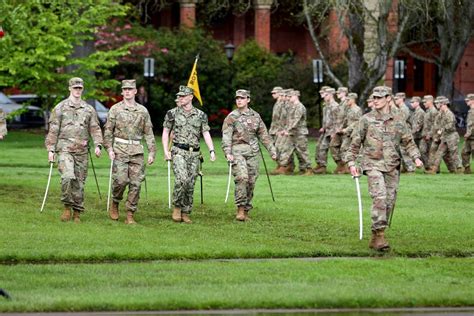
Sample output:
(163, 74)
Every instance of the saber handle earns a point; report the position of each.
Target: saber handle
(228, 181)
(110, 184)
(47, 186)
(169, 184)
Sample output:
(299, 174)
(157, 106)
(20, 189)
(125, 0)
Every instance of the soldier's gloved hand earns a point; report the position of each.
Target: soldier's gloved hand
(167, 155)
(213, 156)
(151, 159)
(97, 152)
(51, 156)
(229, 157)
(111, 155)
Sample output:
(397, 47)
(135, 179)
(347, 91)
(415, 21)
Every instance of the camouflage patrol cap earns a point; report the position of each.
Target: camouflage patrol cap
(441, 100)
(242, 93)
(277, 89)
(323, 88)
(76, 82)
(129, 84)
(380, 91)
(287, 92)
(352, 95)
(470, 96)
(415, 99)
(330, 90)
(370, 98)
(184, 91)
(427, 98)
(342, 90)
(294, 93)
(400, 95)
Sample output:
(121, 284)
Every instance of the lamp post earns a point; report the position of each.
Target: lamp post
(149, 73)
(318, 78)
(229, 52)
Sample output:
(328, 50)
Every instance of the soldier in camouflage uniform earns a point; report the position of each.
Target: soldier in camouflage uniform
(241, 131)
(351, 120)
(3, 125)
(447, 138)
(187, 123)
(399, 98)
(339, 114)
(427, 137)
(296, 132)
(370, 103)
(128, 123)
(417, 120)
(468, 148)
(278, 121)
(71, 123)
(326, 131)
(381, 134)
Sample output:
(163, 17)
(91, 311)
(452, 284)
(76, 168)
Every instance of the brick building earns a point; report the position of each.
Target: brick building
(267, 28)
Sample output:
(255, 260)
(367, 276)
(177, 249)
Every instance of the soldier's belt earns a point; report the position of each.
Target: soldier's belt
(126, 141)
(186, 147)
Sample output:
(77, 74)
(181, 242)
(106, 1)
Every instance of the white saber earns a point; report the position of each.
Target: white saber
(169, 184)
(228, 181)
(47, 185)
(110, 184)
(360, 206)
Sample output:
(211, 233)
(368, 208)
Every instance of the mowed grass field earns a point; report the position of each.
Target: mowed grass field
(47, 265)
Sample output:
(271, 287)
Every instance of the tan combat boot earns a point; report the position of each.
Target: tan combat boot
(431, 171)
(76, 217)
(459, 170)
(320, 170)
(380, 243)
(308, 172)
(186, 219)
(339, 168)
(114, 211)
(240, 214)
(66, 216)
(176, 216)
(372, 240)
(129, 220)
(467, 170)
(291, 167)
(280, 170)
(247, 217)
(288, 170)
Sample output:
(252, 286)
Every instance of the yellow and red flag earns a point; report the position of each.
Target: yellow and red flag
(193, 81)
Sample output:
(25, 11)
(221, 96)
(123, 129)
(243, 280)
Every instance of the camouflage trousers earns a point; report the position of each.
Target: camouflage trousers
(186, 169)
(245, 172)
(73, 170)
(383, 188)
(335, 147)
(467, 152)
(128, 171)
(407, 162)
(322, 149)
(281, 142)
(297, 144)
(346, 143)
(432, 153)
(425, 146)
(448, 148)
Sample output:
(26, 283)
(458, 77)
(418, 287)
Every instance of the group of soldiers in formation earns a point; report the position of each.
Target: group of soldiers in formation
(379, 142)
(433, 129)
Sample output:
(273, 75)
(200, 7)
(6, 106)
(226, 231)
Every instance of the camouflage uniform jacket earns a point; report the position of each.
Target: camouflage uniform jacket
(380, 136)
(351, 119)
(275, 126)
(339, 115)
(241, 132)
(417, 120)
(129, 123)
(296, 124)
(406, 113)
(70, 126)
(186, 126)
(470, 125)
(3, 124)
(326, 121)
(436, 127)
(447, 126)
(429, 121)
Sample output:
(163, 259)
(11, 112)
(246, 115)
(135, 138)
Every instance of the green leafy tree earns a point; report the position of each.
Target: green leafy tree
(40, 50)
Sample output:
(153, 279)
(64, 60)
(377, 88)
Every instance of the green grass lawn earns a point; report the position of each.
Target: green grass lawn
(312, 216)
